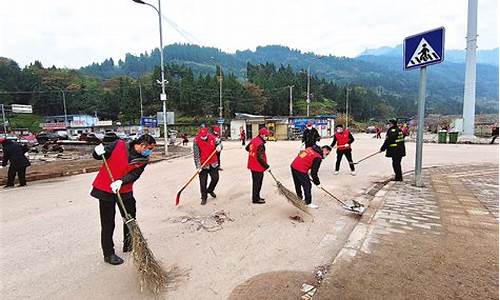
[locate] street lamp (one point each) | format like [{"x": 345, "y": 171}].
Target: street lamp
[
  {"x": 64, "y": 105},
  {"x": 163, "y": 96},
  {"x": 308, "y": 100}
]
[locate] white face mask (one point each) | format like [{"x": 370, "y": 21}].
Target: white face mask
[
  {"x": 339, "y": 130},
  {"x": 309, "y": 127}
]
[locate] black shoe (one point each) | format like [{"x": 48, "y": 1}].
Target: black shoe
[
  {"x": 22, "y": 185},
  {"x": 212, "y": 194},
  {"x": 203, "y": 201},
  {"x": 8, "y": 186},
  {"x": 113, "y": 259},
  {"x": 127, "y": 248},
  {"x": 260, "y": 201}
]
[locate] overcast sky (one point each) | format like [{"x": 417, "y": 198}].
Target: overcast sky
[{"x": 75, "y": 33}]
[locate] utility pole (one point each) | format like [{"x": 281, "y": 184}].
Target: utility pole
[
  {"x": 308, "y": 88},
  {"x": 220, "y": 98},
  {"x": 140, "y": 96},
  {"x": 347, "y": 107},
  {"x": 4, "y": 122},
  {"x": 291, "y": 99},
  {"x": 470, "y": 70}
]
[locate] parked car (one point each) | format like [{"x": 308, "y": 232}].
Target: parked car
[
  {"x": 44, "y": 137},
  {"x": 371, "y": 129},
  {"x": 90, "y": 138}
]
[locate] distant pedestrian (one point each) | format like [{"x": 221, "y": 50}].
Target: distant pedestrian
[
  {"x": 257, "y": 163},
  {"x": 378, "y": 131},
  {"x": 127, "y": 162},
  {"x": 394, "y": 145},
  {"x": 204, "y": 145},
  {"x": 185, "y": 140},
  {"x": 310, "y": 136},
  {"x": 14, "y": 154},
  {"x": 494, "y": 132},
  {"x": 344, "y": 139},
  {"x": 308, "y": 160},
  {"x": 243, "y": 136}
]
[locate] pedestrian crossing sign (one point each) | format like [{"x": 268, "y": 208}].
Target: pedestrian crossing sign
[{"x": 424, "y": 49}]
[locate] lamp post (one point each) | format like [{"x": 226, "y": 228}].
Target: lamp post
[
  {"x": 219, "y": 79},
  {"x": 308, "y": 100},
  {"x": 163, "y": 95},
  {"x": 64, "y": 105}
]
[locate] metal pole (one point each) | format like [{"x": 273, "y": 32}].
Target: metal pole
[
  {"x": 4, "y": 122},
  {"x": 291, "y": 100},
  {"x": 470, "y": 70},
  {"x": 347, "y": 107},
  {"x": 163, "y": 97},
  {"x": 140, "y": 96},
  {"x": 65, "y": 112},
  {"x": 308, "y": 88},
  {"x": 420, "y": 131},
  {"x": 220, "y": 98}
]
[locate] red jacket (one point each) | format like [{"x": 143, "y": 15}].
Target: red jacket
[
  {"x": 206, "y": 147},
  {"x": 342, "y": 140},
  {"x": 253, "y": 164},
  {"x": 119, "y": 166},
  {"x": 304, "y": 161}
]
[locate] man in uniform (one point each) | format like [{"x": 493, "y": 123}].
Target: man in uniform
[
  {"x": 394, "y": 145},
  {"x": 204, "y": 146},
  {"x": 343, "y": 138},
  {"x": 257, "y": 163},
  {"x": 308, "y": 159},
  {"x": 310, "y": 136}
]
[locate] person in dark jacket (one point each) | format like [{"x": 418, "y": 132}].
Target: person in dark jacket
[
  {"x": 394, "y": 145},
  {"x": 494, "y": 133},
  {"x": 257, "y": 163},
  {"x": 127, "y": 162},
  {"x": 310, "y": 135},
  {"x": 14, "y": 153},
  {"x": 344, "y": 139},
  {"x": 308, "y": 160}
]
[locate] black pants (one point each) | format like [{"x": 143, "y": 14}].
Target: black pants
[
  {"x": 257, "y": 178},
  {"x": 107, "y": 211},
  {"x": 301, "y": 181},
  {"x": 396, "y": 165},
  {"x": 243, "y": 142},
  {"x": 348, "y": 155},
  {"x": 214, "y": 178},
  {"x": 11, "y": 176},
  {"x": 493, "y": 139}
]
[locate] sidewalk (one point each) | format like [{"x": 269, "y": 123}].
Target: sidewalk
[{"x": 436, "y": 242}]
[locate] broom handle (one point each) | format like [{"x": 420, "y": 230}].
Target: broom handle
[
  {"x": 120, "y": 201},
  {"x": 330, "y": 194},
  {"x": 198, "y": 170},
  {"x": 272, "y": 175},
  {"x": 367, "y": 157}
]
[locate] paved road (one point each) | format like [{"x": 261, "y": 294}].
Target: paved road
[{"x": 49, "y": 231}]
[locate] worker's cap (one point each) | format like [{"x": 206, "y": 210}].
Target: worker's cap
[
  {"x": 263, "y": 131},
  {"x": 203, "y": 131},
  {"x": 309, "y": 123},
  {"x": 216, "y": 129},
  {"x": 2, "y": 140},
  {"x": 392, "y": 121},
  {"x": 339, "y": 126}
]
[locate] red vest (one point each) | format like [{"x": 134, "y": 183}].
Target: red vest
[
  {"x": 119, "y": 166},
  {"x": 304, "y": 161},
  {"x": 253, "y": 164},
  {"x": 206, "y": 147},
  {"x": 342, "y": 139}
]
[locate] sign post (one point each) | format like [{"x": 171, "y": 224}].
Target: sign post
[
  {"x": 4, "y": 123},
  {"x": 421, "y": 50}
]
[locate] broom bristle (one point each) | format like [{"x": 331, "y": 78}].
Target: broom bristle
[
  {"x": 292, "y": 198},
  {"x": 150, "y": 273}
]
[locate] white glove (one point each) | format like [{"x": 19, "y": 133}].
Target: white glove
[
  {"x": 1, "y": 167},
  {"x": 218, "y": 148},
  {"x": 99, "y": 149},
  {"x": 319, "y": 186},
  {"x": 116, "y": 185},
  {"x": 347, "y": 145}
]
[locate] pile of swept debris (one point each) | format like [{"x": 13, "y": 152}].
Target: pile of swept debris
[{"x": 212, "y": 222}]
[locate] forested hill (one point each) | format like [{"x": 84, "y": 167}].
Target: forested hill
[{"x": 382, "y": 73}]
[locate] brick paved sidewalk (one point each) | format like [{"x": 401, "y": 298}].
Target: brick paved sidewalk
[{"x": 436, "y": 242}]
